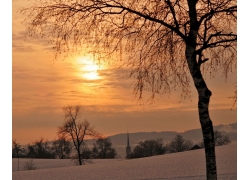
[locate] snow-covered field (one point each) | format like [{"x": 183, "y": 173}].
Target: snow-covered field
[{"x": 189, "y": 165}]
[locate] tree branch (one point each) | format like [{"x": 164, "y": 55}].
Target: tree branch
[
  {"x": 214, "y": 12},
  {"x": 218, "y": 42}
]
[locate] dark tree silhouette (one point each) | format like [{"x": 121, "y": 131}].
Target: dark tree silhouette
[
  {"x": 148, "y": 148},
  {"x": 179, "y": 144},
  {"x": 16, "y": 151},
  {"x": 221, "y": 139},
  {"x": 62, "y": 148},
  {"x": 86, "y": 153},
  {"x": 40, "y": 149},
  {"x": 76, "y": 130},
  {"x": 103, "y": 149},
  {"x": 163, "y": 41}
]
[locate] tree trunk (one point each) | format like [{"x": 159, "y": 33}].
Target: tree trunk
[
  {"x": 18, "y": 161},
  {"x": 206, "y": 124},
  {"x": 207, "y": 131},
  {"x": 79, "y": 156}
]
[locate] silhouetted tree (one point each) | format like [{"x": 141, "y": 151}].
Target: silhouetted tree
[
  {"x": 40, "y": 149},
  {"x": 164, "y": 42},
  {"x": 76, "y": 130},
  {"x": 103, "y": 149},
  {"x": 86, "y": 153},
  {"x": 62, "y": 148},
  {"x": 148, "y": 148},
  {"x": 179, "y": 144},
  {"x": 17, "y": 150},
  {"x": 221, "y": 139}
]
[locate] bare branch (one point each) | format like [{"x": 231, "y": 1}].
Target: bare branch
[{"x": 74, "y": 128}]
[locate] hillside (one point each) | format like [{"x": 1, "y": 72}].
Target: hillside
[
  {"x": 188, "y": 165},
  {"x": 119, "y": 141}
]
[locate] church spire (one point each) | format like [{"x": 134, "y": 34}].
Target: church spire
[
  {"x": 128, "y": 148},
  {"x": 127, "y": 139}
]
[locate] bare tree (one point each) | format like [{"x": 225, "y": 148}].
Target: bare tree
[
  {"x": 62, "y": 148},
  {"x": 221, "y": 139},
  {"x": 40, "y": 149},
  {"x": 163, "y": 41},
  {"x": 16, "y": 151},
  {"x": 76, "y": 130},
  {"x": 103, "y": 149},
  {"x": 179, "y": 144}
]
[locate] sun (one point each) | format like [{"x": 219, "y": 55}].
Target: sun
[
  {"x": 88, "y": 69},
  {"x": 91, "y": 76}
]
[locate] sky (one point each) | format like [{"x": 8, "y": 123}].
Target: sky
[{"x": 41, "y": 87}]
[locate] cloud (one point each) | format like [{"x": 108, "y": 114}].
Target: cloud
[{"x": 20, "y": 47}]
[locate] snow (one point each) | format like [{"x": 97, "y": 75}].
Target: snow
[
  {"x": 51, "y": 163},
  {"x": 189, "y": 165}
]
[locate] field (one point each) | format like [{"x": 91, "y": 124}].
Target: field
[{"x": 189, "y": 165}]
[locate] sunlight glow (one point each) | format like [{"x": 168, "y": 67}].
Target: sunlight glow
[{"x": 88, "y": 69}]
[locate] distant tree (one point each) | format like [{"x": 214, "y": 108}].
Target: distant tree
[
  {"x": 40, "y": 149},
  {"x": 221, "y": 139},
  {"x": 31, "y": 152},
  {"x": 17, "y": 150},
  {"x": 86, "y": 153},
  {"x": 103, "y": 149},
  {"x": 62, "y": 148},
  {"x": 76, "y": 130},
  {"x": 148, "y": 148},
  {"x": 179, "y": 144}
]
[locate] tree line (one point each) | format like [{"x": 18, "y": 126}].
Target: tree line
[
  {"x": 178, "y": 144},
  {"x": 63, "y": 149},
  {"x": 102, "y": 148}
]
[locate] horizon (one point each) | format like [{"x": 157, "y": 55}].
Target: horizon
[{"x": 125, "y": 133}]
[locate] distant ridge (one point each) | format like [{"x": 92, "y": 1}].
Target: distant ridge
[
  {"x": 194, "y": 134},
  {"x": 119, "y": 140}
]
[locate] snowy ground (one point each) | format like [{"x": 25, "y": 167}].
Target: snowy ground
[{"x": 189, "y": 165}]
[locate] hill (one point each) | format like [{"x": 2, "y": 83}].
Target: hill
[
  {"x": 119, "y": 141},
  {"x": 188, "y": 165}
]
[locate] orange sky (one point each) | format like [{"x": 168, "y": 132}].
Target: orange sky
[{"x": 41, "y": 87}]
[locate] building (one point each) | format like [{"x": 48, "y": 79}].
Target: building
[
  {"x": 128, "y": 148},
  {"x": 195, "y": 147}
]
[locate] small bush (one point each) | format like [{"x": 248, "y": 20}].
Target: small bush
[
  {"x": 29, "y": 165},
  {"x": 179, "y": 144}
]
